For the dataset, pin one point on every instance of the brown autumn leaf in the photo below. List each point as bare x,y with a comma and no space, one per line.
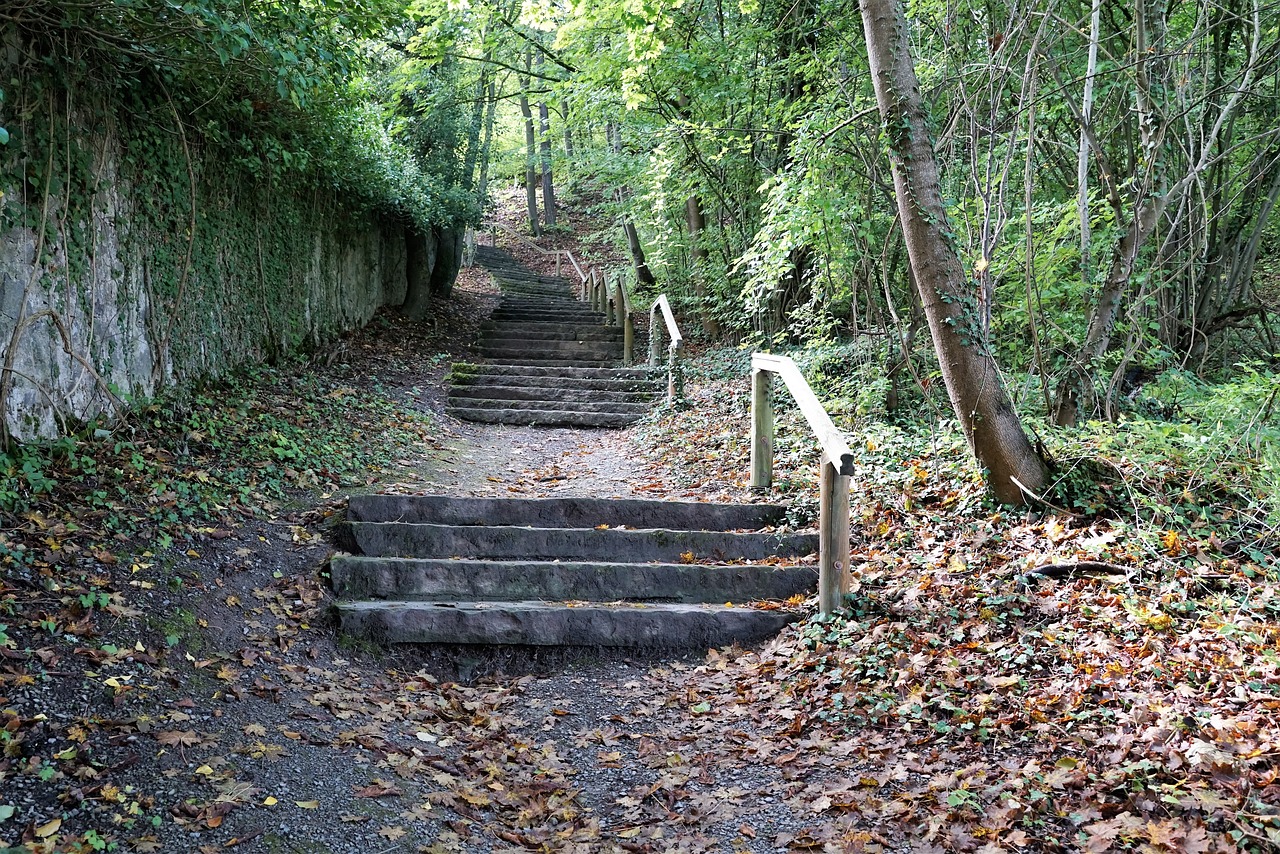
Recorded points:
392,833
178,738
378,789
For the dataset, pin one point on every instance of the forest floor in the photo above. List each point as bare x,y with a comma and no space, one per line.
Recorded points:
170,677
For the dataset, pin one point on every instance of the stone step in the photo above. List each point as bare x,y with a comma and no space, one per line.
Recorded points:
356,577
517,342
584,384
551,331
591,406
540,418
541,300
536,362
478,391
581,317
497,369
530,293
406,539
635,626
568,512
519,351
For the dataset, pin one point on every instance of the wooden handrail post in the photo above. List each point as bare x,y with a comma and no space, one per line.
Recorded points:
557,265
628,327
618,300
655,346
833,538
675,378
761,429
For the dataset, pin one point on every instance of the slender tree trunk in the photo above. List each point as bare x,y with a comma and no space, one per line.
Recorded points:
544,147
1082,159
474,130
568,130
530,150
548,187
482,186
973,382
698,256
643,274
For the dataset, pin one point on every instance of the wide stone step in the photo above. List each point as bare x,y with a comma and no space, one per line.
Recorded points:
551,331
579,406
635,626
356,577
497,369
540,417
477,391
567,512
552,362
534,293
584,384
405,539
567,345
580,316
557,301
571,351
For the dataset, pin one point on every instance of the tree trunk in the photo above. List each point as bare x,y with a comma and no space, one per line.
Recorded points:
448,259
698,255
1102,321
482,187
1082,158
568,130
548,187
420,262
530,152
643,274
473,131
973,383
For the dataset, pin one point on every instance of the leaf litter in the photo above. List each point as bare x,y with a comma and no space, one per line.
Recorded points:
964,702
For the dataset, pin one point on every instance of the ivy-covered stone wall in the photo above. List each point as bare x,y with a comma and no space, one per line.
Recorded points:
132,257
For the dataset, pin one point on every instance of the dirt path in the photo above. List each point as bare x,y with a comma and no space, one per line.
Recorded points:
215,708
278,737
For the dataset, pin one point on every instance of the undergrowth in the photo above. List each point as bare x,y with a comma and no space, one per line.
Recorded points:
237,448
1097,672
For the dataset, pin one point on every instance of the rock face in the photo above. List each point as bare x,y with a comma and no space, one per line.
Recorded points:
568,572
146,279
548,359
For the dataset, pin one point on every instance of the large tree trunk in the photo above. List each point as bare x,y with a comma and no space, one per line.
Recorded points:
448,259
973,383
420,263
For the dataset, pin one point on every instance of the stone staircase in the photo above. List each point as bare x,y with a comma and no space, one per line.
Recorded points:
549,359
564,572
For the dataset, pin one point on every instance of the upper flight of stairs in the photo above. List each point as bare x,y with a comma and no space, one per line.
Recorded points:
575,572
549,359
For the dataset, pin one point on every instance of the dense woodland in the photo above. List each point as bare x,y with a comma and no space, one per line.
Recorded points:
1084,213
1028,256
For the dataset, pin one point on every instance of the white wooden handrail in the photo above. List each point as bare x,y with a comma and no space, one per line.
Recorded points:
675,381
837,469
